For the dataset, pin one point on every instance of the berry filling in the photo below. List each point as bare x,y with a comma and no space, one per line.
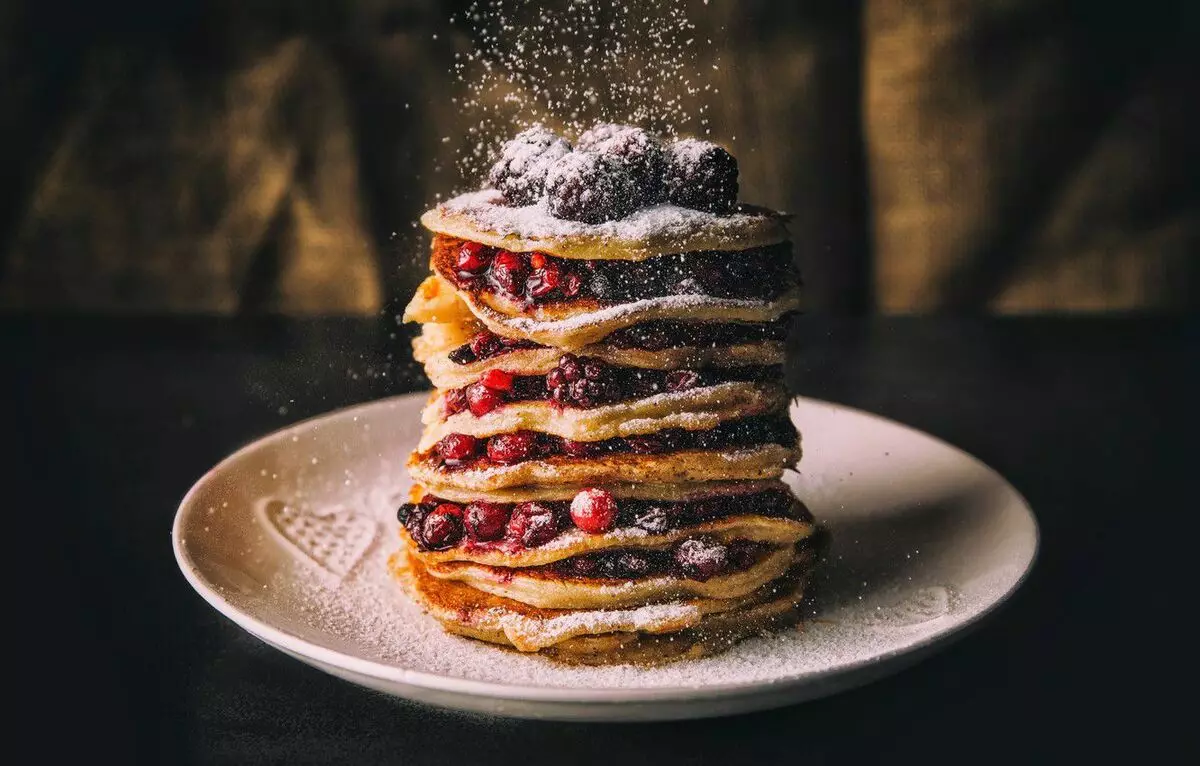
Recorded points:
437,524
583,382
535,278
694,559
647,336
459,451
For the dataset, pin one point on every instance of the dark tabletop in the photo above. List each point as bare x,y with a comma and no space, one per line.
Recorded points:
1091,419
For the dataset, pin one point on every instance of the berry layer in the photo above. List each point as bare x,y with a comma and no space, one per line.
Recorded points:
456,355
623,578
571,329
535,533
697,410
518,281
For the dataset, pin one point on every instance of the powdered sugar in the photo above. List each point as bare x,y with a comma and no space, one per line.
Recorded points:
486,210
535,634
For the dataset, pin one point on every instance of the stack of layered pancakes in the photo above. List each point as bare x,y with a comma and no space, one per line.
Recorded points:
598,479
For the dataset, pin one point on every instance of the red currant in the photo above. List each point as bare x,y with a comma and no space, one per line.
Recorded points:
482,399
497,380
594,511
472,257
456,447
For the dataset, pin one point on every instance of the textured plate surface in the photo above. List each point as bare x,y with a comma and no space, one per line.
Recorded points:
287,538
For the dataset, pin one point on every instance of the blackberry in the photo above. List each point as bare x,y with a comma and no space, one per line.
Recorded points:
591,188
582,383
701,175
701,559
520,172
642,153
654,520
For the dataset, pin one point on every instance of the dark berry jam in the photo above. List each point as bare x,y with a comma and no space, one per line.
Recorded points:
519,446
661,334
694,559
437,524
762,273
583,382
647,336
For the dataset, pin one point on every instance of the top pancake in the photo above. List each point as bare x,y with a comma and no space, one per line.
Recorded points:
660,230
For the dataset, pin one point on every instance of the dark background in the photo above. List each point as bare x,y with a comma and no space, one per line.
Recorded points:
192,189
271,157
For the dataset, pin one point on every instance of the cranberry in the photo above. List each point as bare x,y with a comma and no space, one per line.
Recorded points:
442,527
533,524
700,559
486,521
473,257
581,449
454,402
537,260
682,380
654,520
512,447
497,380
484,344
456,447
543,281
571,284
594,511
508,272
482,399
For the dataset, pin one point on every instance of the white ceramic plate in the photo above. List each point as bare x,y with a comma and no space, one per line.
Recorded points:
287,537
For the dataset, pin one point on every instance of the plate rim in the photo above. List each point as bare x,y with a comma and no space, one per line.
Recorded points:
435,682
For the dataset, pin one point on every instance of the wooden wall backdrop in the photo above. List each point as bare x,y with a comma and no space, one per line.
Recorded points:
940,155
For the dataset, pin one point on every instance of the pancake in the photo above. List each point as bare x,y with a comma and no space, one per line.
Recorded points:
661,230
634,490
696,409
464,610
550,590
574,542
432,348
766,461
572,331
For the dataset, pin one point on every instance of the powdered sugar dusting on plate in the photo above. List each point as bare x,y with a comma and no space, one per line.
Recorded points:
369,611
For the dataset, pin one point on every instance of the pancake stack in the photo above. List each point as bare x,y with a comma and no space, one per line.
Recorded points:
598,479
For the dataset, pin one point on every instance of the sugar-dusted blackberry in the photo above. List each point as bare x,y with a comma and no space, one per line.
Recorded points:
644,154
520,172
592,188
701,175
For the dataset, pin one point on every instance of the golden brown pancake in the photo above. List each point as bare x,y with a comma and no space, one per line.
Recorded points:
766,461
696,409
550,590
482,217
467,611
